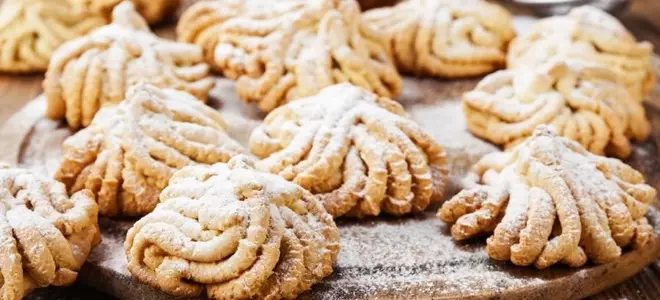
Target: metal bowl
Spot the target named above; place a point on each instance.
(560, 7)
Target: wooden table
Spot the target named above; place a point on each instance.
(643, 20)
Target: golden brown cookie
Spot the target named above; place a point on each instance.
(45, 235)
(153, 11)
(97, 69)
(585, 101)
(550, 200)
(31, 30)
(590, 34)
(359, 153)
(445, 38)
(235, 233)
(278, 51)
(129, 152)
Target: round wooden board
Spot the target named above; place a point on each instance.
(381, 257)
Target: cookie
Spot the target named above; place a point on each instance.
(234, 233)
(588, 33)
(278, 51)
(359, 153)
(585, 101)
(551, 201)
(96, 70)
(445, 38)
(31, 30)
(45, 235)
(129, 152)
(153, 11)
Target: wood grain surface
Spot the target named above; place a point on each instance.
(383, 257)
(643, 20)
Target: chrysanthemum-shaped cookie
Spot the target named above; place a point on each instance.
(153, 11)
(129, 152)
(31, 30)
(590, 34)
(359, 153)
(445, 38)
(549, 200)
(96, 70)
(279, 51)
(585, 101)
(235, 233)
(45, 235)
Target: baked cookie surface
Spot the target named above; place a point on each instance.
(585, 101)
(445, 38)
(31, 30)
(45, 235)
(548, 201)
(234, 233)
(95, 70)
(278, 51)
(128, 154)
(588, 33)
(359, 153)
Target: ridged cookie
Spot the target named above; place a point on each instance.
(585, 101)
(279, 51)
(96, 70)
(129, 152)
(548, 201)
(445, 38)
(234, 233)
(45, 235)
(588, 33)
(31, 30)
(361, 154)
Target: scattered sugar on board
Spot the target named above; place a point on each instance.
(384, 256)
(391, 256)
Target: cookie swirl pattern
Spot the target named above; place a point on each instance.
(31, 30)
(588, 33)
(360, 153)
(235, 233)
(45, 235)
(551, 201)
(586, 102)
(128, 154)
(90, 72)
(278, 51)
(445, 38)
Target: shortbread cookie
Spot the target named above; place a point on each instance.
(129, 152)
(550, 200)
(45, 235)
(153, 11)
(359, 153)
(278, 51)
(31, 30)
(96, 70)
(445, 38)
(590, 34)
(234, 233)
(585, 101)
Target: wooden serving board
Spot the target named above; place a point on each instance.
(381, 257)
(384, 257)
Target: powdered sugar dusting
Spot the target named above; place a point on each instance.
(383, 256)
(394, 257)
